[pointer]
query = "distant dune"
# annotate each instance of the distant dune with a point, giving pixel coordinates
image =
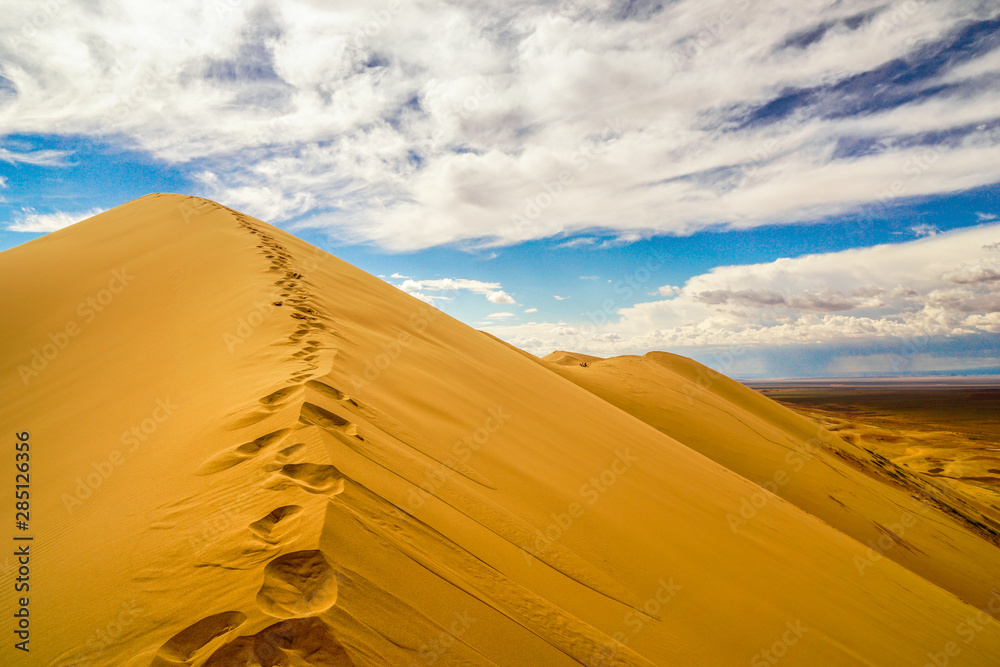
(248, 452)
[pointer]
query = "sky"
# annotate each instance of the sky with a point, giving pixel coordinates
(787, 188)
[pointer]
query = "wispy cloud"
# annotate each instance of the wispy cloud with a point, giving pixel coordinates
(32, 221)
(527, 120)
(418, 288)
(42, 158)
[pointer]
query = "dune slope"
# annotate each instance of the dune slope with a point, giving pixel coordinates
(901, 515)
(247, 452)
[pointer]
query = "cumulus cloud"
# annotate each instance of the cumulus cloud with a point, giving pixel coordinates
(419, 288)
(982, 270)
(500, 296)
(32, 221)
(523, 120)
(941, 286)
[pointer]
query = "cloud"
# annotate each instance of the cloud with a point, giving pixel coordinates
(526, 120)
(32, 221)
(531, 310)
(939, 287)
(578, 242)
(924, 230)
(500, 297)
(986, 217)
(978, 271)
(43, 158)
(590, 277)
(500, 316)
(492, 291)
(669, 290)
(559, 298)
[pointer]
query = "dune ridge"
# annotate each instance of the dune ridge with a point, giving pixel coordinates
(351, 477)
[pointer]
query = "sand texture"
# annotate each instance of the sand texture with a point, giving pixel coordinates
(252, 453)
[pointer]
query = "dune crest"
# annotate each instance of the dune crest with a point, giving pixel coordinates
(347, 476)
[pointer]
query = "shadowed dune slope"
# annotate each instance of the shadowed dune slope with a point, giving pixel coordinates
(898, 514)
(248, 452)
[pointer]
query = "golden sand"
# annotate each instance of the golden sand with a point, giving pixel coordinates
(249, 452)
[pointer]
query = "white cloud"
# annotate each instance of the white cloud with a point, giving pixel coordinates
(492, 291)
(559, 298)
(925, 230)
(32, 221)
(941, 286)
(590, 277)
(42, 158)
(986, 217)
(531, 310)
(669, 290)
(500, 297)
(573, 117)
(500, 316)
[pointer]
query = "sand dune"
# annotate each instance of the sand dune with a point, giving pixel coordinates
(248, 452)
(929, 528)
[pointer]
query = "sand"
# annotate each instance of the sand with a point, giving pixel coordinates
(248, 452)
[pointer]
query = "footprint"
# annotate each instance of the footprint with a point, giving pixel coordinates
(309, 640)
(314, 415)
(236, 455)
(185, 646)
(281, 396)
(287, 452)
(277, 520)
(310, 477)
(326, 390)
(302, 583)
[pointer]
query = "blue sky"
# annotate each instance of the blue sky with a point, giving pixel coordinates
(776, 189)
